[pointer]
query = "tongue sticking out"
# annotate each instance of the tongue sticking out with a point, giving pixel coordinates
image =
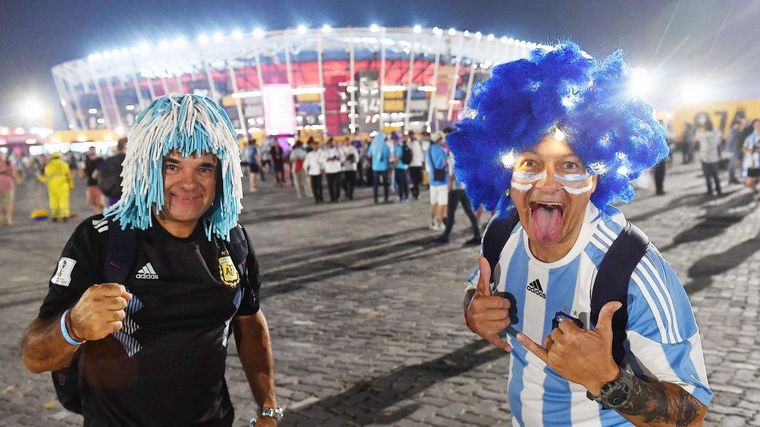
(546, 223)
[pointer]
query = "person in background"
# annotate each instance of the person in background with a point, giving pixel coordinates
(7, 190)
(300, 178)
(402, 156)
(380, 156)
(350, 162)
(438, 170)
(734, 149)
(93, 194)
(254, 163)
(333, 166)
(751, 149)
(314, 165)
(415, 166)
(59, 183)
(709, 154)
(277, 155)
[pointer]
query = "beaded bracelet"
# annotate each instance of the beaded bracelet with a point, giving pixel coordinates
(65, 331)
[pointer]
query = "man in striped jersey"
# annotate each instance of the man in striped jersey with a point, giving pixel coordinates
(575, 141)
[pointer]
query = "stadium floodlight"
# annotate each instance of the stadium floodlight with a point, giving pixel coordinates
(374, 28)
(31, 108)
(203, 39)
(452, 31)
(503, 39)
(107, 54)
(641, 83)
(301, 29)
(237, 34)
(164, 44)
(478, 35)
(491, 37)
(437, 31)
(258, 32)
(218, 36)
(143, 48)
(179, 42)
(417, 29)
(326, 28)
(426, 88)
(394, 88)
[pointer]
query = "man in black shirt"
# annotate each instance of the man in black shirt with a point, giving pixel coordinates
(94, 195)
(152, 350)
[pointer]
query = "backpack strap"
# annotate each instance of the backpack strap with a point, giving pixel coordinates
(238, 247)
(496, 235)
(611, 283)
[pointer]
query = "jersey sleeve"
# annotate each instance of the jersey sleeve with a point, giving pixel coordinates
(250, 303)
(662, 333)
(79, 267)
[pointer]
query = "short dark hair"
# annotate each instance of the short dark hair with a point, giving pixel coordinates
(122, 143)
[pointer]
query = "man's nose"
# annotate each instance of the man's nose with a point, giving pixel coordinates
(188, 179)
(549, 182)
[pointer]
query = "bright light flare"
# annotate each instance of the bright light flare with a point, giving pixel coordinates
(326, 28)
(641, 83)
(693, 92)
(417, 29)
(508, 159)
(374, 28)
(302, 29)
(32, 109)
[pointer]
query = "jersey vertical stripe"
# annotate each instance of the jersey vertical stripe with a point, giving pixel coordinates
(663, 341)
(518, 273)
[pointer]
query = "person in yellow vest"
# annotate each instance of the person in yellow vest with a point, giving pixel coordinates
(59, 183)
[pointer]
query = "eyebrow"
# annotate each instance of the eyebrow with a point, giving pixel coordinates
(176, 162)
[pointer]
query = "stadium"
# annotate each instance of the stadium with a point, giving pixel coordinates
(323, 81)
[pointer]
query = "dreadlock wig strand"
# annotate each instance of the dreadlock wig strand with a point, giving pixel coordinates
(614, 133)
(192, 125)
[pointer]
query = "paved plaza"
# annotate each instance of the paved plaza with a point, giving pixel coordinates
(366, 315)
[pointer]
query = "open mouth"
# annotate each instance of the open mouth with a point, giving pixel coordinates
(546, 220)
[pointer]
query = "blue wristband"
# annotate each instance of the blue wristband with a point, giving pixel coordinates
(65, 331)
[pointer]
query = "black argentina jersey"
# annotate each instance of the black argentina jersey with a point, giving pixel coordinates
(166, 365)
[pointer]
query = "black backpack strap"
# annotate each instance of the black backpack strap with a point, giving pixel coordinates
(120, 253)
(611, 283)
(121, 250)
(238, 247)
(496, 235)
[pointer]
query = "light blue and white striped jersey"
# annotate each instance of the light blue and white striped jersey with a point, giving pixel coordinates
(663, 339)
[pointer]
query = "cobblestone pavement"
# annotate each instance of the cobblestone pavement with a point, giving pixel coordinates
(366, 317)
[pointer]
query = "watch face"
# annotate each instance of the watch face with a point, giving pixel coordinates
(617, 397)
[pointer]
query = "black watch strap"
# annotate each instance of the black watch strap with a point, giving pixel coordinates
(616, 393)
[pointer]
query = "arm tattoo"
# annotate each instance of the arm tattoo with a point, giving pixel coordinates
(660, 402)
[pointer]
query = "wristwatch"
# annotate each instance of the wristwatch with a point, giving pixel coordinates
(275, 413)
(615, 393)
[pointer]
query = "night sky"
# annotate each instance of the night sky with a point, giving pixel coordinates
(712, 40)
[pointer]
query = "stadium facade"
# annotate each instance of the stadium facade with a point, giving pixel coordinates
(307, 81)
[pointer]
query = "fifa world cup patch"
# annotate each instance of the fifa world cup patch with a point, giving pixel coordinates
(62, 276)
(227, 271)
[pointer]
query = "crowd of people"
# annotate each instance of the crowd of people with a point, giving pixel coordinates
(132, 314)
(738, 153)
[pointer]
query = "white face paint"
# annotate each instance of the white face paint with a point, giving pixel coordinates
(574, 179)
(523, 181)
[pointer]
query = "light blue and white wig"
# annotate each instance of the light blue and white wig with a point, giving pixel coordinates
(192, 125)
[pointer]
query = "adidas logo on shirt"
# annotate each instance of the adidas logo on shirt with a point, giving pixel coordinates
(147, 272)
(535, 287)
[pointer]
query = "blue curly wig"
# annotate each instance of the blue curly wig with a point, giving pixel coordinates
(614, 133)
